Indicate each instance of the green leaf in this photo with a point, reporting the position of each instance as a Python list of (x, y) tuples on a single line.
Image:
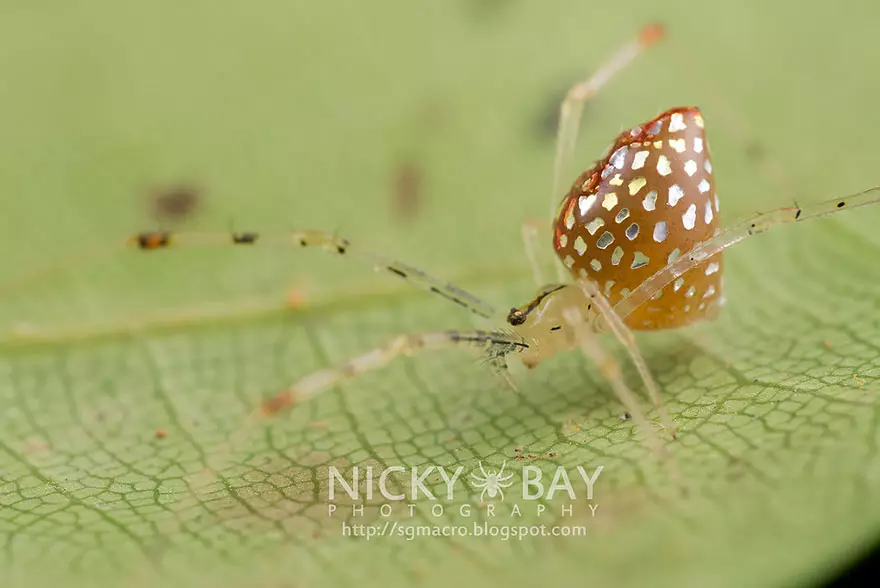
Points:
[(127, 380)]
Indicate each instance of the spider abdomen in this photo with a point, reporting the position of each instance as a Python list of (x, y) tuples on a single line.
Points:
[(649, 200)]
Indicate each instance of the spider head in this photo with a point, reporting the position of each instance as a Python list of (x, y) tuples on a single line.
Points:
[(542, 324)]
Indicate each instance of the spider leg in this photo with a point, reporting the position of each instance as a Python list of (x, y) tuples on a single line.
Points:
[(570, 112), (317, 382), (508, 380), (734, 234), (485, 475), (725, 114), (626, 338), (572, 106), (379, 263), (154, 241), (531, 234), (589, 343)]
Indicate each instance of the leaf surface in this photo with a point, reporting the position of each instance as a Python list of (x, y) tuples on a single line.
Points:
[(126, 379)]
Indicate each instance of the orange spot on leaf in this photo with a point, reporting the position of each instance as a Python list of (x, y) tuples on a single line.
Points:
[(277, 403), (652, 33)]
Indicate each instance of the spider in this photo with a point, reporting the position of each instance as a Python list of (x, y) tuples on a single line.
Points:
[(638, 236), (492, 483)]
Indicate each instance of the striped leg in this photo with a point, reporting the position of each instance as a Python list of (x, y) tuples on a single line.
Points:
[(733, 235), (154, 241), (495, 343)]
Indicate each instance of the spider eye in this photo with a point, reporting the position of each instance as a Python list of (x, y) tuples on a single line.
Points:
[(516, 317)]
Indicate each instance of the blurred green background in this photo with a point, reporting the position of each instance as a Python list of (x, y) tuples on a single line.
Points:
[(424, 130)]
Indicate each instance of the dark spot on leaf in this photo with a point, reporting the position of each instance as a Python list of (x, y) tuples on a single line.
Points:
[(755, 151), (175, 203), (407, 190), (486, 10)]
